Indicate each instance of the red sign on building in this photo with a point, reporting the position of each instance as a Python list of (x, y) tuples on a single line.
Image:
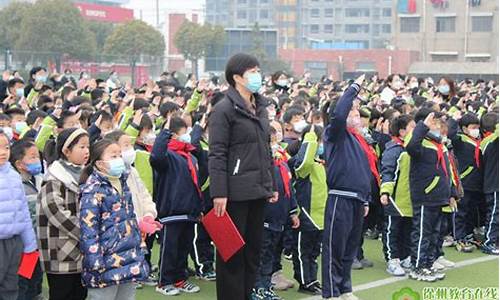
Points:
[(105, 13)]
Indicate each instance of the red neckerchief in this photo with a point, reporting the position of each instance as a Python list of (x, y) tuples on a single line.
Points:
[(184, 150), (454, 169), (440, 155), (370, 153), (398, 141), (487, 134), (148, 148), (280, 161), (477, 149)]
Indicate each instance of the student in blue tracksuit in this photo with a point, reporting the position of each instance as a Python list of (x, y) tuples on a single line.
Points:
[(202, 252), (312, 192), (178, 202), (466, 146), (349, 177), (431, 186), (276, 217), (395, 197), (489, 150)]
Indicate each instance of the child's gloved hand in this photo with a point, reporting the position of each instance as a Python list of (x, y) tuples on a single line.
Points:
[(148, 225)]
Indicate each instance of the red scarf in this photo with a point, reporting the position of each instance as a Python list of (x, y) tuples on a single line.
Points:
[(440, 155), (398, 141), (370, 153), (280, 162), (477, 150), (184, 150)]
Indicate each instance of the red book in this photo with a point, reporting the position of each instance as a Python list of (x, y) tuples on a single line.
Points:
[(224, 234), (28, 264)]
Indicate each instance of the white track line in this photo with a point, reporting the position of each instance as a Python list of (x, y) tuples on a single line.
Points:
[(391, 280)]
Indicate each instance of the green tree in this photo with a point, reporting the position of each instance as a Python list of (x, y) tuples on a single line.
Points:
[(268, 64), (10, 17), (195, 41), (101, 31), (134, 39), (56, 27)]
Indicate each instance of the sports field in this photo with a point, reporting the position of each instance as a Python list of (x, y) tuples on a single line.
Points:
[(474, 270)]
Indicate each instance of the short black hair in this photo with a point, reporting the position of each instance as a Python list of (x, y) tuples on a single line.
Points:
[(15, 111), (105, 116), (5, 117), (140, 103), (64, 115), (468, 119), (34, 115), (489, 121), (238, 64), (290, 113), (35, 70), (424, 112), (168, 107), (18, 150), (399, 123), (13, 82), (176, 124), (146, 122)]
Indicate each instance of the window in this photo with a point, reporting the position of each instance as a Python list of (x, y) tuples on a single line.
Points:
[(357, 28), (315, 13), (328, 12), (386, 28), (357, 12), (445, 24), (409, 24), (482, 24), (241, 14), (264, 14), (328, 28), (376, 29), (386, 12), (358, 44), (315, 28), (444, 58)]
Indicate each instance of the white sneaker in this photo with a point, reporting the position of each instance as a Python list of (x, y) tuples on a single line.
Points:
[(437, 266), (445, 263), (348, 296), (406, 264), (168, 290), (394, 267)]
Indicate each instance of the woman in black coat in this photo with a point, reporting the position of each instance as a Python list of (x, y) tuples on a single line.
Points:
[(240, 169)]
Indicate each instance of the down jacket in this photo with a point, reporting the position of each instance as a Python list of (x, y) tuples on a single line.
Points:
[(14, 214), (110, 237)]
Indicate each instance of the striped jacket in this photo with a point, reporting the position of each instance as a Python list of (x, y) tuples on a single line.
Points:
[(58, 226)]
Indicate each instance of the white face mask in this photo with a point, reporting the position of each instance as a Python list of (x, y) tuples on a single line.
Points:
[(129, 157), (474, 133), (299, 126), (150, 138)]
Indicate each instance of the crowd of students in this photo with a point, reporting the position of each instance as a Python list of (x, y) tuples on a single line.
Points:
[(94, 171)]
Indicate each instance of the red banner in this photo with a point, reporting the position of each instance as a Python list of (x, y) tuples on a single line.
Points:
[(105, 13)]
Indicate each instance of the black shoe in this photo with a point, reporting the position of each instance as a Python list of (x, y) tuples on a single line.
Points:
[(318, 287), (310, 290), (371, 234), (366, 263), (357, 265)]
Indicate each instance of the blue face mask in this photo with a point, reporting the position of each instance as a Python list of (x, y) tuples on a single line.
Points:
[(34, 168), (20, 126), (116, 167), (436, 133), (321, 150), (254, 82), (41, 78), (185, 138), (444, 89), (19, 92)]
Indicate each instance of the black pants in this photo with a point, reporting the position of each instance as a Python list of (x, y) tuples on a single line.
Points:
[(396, 237), (445, 228), (236, 277), (202, 250), (150, 239), (469, 213), (66, 287), (343, 227), (491, 228), (425, 235), (30, 288), (305, 255), (177, 239), (11, 250), (270, 242)]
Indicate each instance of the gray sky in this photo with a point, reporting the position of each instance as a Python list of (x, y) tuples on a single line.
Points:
[(148, 8)]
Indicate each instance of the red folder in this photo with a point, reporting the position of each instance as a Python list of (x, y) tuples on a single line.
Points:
[(28, 264), (224, 234)]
